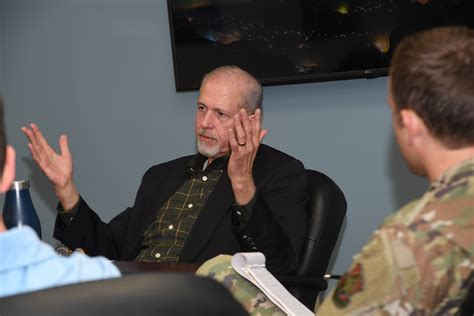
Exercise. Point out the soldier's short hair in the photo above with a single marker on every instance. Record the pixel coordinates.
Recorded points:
(432, 73)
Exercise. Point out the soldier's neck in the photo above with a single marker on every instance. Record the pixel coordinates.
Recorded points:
(438, 164)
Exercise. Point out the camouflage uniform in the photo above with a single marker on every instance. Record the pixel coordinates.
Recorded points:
(419, 262)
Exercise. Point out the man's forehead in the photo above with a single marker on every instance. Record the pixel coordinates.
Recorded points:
(229, 80)
(217, 83)
(220, 96)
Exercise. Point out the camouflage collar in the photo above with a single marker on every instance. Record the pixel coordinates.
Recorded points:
(454, 174)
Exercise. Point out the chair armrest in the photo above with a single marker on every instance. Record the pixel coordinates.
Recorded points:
(315, 283)
(332, 276)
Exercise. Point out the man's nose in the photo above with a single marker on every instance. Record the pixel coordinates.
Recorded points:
(207, 121)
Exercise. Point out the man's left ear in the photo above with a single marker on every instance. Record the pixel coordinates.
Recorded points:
(8, 173)
(413, 124)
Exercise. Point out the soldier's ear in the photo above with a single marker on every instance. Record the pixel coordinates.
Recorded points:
(414, 126)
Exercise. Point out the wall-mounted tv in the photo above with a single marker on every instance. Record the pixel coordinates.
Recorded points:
(296, 41)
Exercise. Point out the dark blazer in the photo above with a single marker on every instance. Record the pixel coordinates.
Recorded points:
(277, 226)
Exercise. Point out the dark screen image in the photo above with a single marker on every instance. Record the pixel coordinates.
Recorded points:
(292, 41)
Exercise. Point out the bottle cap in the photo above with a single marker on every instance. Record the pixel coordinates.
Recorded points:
(20, 185)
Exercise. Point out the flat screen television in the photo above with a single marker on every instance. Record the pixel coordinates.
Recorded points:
(297, 41)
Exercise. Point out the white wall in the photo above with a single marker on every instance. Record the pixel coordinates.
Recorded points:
(101, 71)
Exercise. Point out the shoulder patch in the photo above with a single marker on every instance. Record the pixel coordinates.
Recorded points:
(351, 283)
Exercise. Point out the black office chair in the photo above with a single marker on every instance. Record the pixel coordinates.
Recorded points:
(168, 294)
(326, 211)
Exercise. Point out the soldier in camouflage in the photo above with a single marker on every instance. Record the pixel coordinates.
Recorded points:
(421, 259)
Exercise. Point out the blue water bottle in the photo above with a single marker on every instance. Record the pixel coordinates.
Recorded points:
(18, 209)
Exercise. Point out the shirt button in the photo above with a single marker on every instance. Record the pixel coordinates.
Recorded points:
(190, 205)
(239, 213)
(204, 178)
(157, 255)
(170, 227)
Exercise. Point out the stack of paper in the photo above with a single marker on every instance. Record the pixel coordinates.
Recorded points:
(251, 266)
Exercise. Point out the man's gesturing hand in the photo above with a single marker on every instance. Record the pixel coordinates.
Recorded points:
(245, 138)
(57, 168)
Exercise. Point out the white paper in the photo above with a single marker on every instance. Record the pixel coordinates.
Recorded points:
(251, 266)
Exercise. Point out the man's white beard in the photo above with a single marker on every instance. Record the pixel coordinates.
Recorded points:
(206, 150)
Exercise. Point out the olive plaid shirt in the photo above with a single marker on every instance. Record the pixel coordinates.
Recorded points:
(164, 239)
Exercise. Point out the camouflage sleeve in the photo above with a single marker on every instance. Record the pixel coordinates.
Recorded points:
(398, 272)
(253, 300)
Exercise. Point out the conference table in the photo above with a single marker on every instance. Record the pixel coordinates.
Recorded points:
(130, 267)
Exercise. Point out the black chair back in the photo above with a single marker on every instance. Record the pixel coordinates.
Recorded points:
(325, 214)
(326, 211)
(164, 294)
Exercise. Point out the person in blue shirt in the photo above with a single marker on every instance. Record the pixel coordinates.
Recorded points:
(27, 263)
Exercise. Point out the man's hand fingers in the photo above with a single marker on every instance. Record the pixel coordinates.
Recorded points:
(257, 126)
(239, 130)
(247, 124)
(37, 157)
(64, 145)
(234, 145)
(40, 137)
(34, 154)
(29, 134)
(34, 141)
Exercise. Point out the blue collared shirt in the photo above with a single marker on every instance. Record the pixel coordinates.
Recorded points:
(28, 264)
